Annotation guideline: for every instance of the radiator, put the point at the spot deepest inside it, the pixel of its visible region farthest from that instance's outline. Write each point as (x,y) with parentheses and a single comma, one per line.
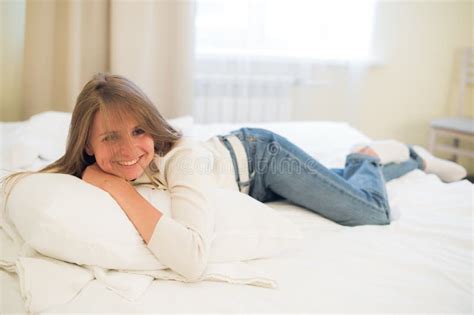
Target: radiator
(242,98)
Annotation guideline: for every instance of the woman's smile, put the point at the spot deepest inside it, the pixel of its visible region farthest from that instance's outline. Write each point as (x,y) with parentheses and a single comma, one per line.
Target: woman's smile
(128,163)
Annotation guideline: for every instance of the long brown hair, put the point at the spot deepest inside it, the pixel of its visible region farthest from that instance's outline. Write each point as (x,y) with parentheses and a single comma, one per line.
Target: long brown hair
(113,94)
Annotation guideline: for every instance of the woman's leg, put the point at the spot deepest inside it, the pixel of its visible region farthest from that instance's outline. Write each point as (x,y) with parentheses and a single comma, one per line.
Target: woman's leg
(394,170)
(355,196)
(419,158)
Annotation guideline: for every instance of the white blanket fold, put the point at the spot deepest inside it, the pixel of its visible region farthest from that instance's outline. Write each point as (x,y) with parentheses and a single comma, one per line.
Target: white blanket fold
(128,285)
(46,282)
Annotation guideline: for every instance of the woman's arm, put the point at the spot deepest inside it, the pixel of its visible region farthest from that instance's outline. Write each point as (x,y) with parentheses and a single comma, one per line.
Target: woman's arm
(183,240)
(140,212)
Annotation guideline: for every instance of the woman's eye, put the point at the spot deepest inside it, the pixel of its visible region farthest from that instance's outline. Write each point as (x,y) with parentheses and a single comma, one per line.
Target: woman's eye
(138,131)
(110,138)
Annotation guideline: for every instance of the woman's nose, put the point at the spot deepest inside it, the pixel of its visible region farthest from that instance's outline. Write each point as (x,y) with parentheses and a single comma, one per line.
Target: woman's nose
(127,148)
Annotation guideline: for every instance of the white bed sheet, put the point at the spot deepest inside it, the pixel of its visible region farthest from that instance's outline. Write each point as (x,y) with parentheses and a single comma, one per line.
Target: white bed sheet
(420,263)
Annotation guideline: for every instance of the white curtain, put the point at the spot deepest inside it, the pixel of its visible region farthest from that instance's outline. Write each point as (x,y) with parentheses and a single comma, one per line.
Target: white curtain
(66,42)
(252,55)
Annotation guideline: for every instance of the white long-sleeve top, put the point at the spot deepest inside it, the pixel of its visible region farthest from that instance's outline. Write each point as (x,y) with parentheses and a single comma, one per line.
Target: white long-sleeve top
(182,241)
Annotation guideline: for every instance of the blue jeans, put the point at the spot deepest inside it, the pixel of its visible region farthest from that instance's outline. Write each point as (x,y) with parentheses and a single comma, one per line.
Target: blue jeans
(354,195)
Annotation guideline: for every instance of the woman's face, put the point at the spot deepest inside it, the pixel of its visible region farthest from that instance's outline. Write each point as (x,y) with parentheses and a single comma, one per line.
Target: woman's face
(120,146)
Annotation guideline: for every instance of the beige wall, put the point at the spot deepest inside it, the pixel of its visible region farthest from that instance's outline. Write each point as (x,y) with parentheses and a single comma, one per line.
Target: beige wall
(414,42)
(12,18)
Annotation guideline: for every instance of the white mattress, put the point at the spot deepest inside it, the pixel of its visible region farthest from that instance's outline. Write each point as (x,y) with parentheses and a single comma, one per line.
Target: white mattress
(419,263)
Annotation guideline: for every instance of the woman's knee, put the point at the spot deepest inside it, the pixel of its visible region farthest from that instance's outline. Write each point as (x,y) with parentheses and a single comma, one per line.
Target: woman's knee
(377,213)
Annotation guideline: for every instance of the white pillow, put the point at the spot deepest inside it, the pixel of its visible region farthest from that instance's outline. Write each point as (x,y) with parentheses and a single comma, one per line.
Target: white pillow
(66,218)
(245,228)
(63,217)
(43,135)
(184,123)
(248,229)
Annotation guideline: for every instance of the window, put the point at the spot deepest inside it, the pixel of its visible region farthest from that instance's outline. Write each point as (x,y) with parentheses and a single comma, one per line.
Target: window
(309,29)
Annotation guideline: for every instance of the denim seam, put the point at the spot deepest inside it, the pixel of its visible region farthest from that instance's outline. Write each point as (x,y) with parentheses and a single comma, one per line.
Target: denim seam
(385,197)
(358,158)
(362,157)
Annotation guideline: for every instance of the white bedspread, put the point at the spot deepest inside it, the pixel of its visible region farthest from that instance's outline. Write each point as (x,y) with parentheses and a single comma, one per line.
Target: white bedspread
(421,263)
(45,282)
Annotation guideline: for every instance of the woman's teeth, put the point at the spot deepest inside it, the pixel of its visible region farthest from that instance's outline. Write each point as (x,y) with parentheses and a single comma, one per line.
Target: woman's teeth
(128,163)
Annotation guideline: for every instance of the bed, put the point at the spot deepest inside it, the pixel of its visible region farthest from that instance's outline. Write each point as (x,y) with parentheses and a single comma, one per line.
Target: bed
(420,263)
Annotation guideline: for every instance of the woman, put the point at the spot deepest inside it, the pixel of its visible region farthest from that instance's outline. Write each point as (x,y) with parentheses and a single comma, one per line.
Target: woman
(118,139)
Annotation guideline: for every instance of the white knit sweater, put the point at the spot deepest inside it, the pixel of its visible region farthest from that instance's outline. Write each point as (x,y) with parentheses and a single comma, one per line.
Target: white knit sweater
(182,242)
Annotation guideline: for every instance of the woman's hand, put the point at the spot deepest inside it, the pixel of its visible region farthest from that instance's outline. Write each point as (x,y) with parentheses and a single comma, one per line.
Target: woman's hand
(94,175)
(140,212)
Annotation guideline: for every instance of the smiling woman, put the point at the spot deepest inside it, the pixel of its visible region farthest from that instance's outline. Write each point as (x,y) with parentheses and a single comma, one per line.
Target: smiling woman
(114,134)
(118,140)
(111,122)
(120,145)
